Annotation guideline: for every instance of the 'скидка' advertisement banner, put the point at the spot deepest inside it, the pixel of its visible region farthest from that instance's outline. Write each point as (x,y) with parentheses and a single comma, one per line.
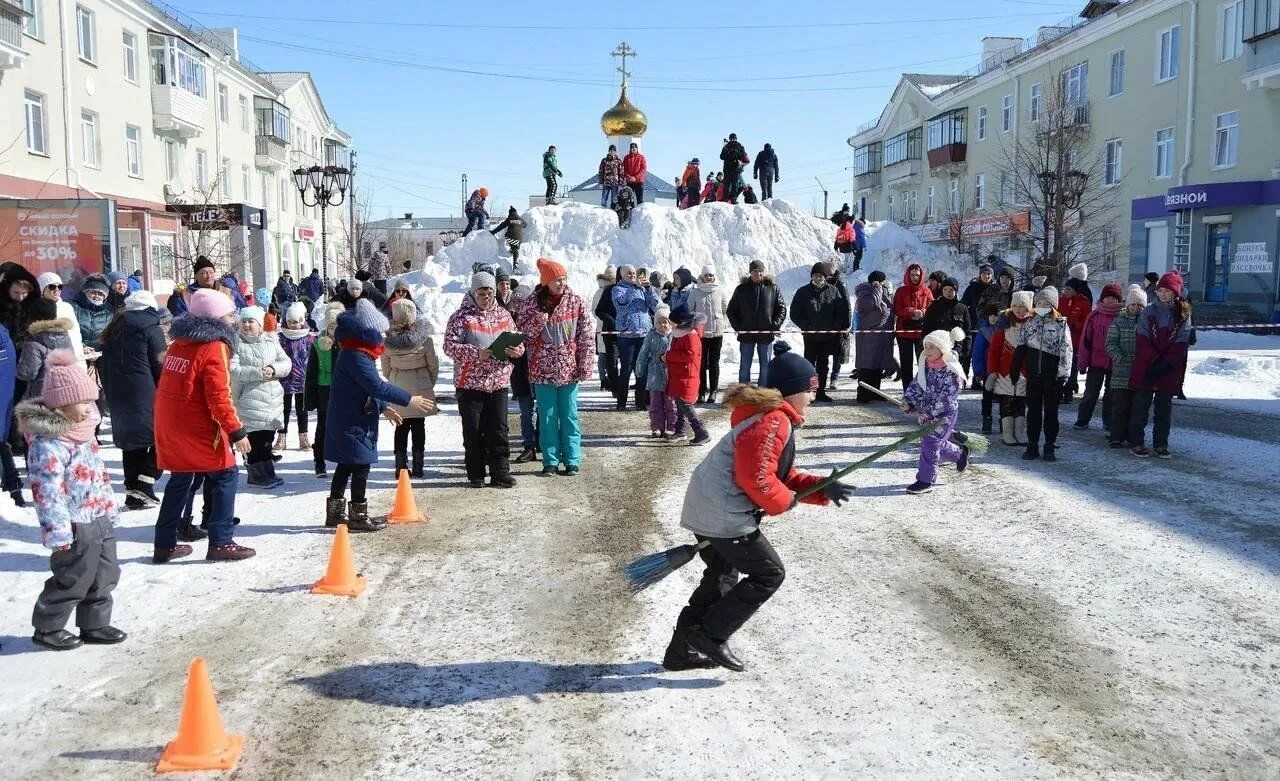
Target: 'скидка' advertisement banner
(72,238)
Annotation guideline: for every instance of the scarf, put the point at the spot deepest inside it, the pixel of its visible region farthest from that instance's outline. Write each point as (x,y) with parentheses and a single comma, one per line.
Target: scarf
(294,333)
(82,433)
(374,351)
(1110,307)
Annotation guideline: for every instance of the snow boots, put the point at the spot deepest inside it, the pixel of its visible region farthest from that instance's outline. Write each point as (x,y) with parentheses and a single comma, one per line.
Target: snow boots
(304,441)
(280,444)
(1020,430)
(263,475)
(1007,432)
(680,656)
(358,518)
(416,472)
(335,512)
(229,552)
(1048,453)
(165,555)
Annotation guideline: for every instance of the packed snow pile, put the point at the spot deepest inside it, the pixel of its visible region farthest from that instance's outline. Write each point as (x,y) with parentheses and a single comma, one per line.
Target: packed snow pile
(727,237)
(1262,370)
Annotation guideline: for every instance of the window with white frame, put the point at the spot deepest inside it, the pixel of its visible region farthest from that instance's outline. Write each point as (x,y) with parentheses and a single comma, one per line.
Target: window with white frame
(224,104)
(170,160)
(928,203)
(982,123)
(1261,19)
(86,35)
(246,189)
(1226,139)
(1006,113)
(1116,85)
(980,191)
(1112,172)
(202,169)
(911,206)
(266,192)
(1167,60)
(1037,100)
(90,143)
(32,25)
(133,149)
(1231,32)
(37,134)
(129,56)
(1164,153)
(284,196)
(953,197)
(1075,84)
(1006,189)
(246,115)
(224,177)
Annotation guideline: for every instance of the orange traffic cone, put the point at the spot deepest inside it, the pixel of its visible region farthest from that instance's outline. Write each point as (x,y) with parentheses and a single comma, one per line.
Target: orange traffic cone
(341,579)
(201,744)
(405,507)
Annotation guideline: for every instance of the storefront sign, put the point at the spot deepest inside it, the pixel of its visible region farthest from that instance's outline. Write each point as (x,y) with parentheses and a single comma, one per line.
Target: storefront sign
(304,235)
(220,216)
(976,227)
(934,231)
(72,238)
(1221,194)
(1251,258)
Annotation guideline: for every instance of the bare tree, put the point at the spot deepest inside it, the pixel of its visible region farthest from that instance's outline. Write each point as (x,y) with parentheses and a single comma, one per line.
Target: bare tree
(1057,173)
(960,208)
(357,236)
(207,234)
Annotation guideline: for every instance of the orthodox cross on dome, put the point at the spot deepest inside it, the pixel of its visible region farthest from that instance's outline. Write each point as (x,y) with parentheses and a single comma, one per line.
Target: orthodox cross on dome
(623,51)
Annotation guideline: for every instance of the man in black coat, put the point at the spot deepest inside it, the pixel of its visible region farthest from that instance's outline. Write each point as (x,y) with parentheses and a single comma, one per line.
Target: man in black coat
(766,170)
(734,155)
(756,305)
(514,226)
(821,306)
(947,312)
(607,314)
(978,288)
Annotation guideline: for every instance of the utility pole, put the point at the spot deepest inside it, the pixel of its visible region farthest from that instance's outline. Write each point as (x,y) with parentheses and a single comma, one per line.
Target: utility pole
(464,193)
(352,234)
(825,205)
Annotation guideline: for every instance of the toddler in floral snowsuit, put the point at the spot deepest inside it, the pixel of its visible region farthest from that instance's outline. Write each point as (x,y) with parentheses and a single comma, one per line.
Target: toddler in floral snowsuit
(934,395)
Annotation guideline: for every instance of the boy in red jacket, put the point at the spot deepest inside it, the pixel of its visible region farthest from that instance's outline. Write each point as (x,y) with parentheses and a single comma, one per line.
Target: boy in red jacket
(749,474)
(684,359)
(635,168)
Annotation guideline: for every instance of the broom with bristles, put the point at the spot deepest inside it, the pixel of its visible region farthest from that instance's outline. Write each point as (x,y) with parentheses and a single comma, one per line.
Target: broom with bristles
(976,443)
(647,570)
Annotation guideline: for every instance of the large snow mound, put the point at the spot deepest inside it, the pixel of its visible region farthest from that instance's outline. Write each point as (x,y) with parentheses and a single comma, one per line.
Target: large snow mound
(727,237)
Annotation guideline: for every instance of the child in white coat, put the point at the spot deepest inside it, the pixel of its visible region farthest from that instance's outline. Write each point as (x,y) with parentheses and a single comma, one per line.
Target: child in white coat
(256,369)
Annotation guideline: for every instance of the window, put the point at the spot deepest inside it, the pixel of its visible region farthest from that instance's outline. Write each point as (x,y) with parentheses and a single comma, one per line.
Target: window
(946,130)
(1231,36)
(1075,85)
(246,190)
(86,36)
(1226,139)
(903,147)
(1111,174)
(891,213)
(133,149)
(284,196)
(911,206)
(1006,113)
(953,197)
(246,116)
(1167,67)
(224,104)
(1164,153)
(1006,189)
(866,159)
(202,168)
(266,192)
(979,191)
(982,123)
(130,55)
(928,202)
(1037,98)
(90,149)
(224,178)
(36,134)
(32,25)
(1117,73)
(176,63)
(1261,18)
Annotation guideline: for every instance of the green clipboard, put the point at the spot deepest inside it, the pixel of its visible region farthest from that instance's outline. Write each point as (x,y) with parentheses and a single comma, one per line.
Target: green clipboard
(505,339)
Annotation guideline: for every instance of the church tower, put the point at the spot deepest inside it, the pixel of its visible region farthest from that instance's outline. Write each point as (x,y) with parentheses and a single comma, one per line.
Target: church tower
(624,124)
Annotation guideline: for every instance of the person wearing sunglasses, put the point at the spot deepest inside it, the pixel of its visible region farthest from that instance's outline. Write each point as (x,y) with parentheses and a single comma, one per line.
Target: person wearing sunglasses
(51,287)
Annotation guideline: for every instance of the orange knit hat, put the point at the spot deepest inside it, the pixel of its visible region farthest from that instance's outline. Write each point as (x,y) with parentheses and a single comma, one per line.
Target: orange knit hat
(549,271)
(484,192)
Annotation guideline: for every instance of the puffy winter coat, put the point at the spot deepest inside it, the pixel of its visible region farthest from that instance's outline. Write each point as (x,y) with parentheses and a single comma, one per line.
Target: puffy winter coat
(130,367)
(1001,298)
(981,346)
(92,319)
(410,363)
(684,360)
(1122,344)
(691,179)
(8,378)
(757,307)
(550,166)
(707,299)
(943,315)
(559,338)
(357,395)
(909,298)
(313,287)
(43,337)
(475,204)
(1076,310)
(610,174)
(285,293)
(875,313)
(634,167)
(939,399)
(649,362)
(513,225)
(259,401)
(470,330)
(1161,344)
(1044,347)
(296,344)
(766,166)
(68,480)
(632,306)
(734,156)
(846,238)
(823,308)
(16,315)
(1092,353)
(683,279)
(196,421)
(1004,338)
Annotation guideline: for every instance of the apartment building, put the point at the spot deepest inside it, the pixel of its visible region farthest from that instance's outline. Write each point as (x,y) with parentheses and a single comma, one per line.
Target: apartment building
(134,139)
(1179,101)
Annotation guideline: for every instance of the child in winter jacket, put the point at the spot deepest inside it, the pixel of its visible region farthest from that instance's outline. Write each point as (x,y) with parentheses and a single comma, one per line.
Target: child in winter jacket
(1075,307)
(324,350)
(934,395)
(651,369)
(410,363)
(748,474)
(1121,346)
(623,206)
(1010,389)
(1091,356)
(76,507)
(684,360)
(296,339)
(989,316)
(47,333)
(1044,348)
(257,366)
(1162,339)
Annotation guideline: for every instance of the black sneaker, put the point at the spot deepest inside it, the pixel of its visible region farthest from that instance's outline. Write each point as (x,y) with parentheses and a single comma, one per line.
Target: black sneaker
(1163,452)
(133,503)
(569,471)
(529,455)
(919,487)
(57,640)
(503,482)
(475,483)
(1140,452)
(701,439)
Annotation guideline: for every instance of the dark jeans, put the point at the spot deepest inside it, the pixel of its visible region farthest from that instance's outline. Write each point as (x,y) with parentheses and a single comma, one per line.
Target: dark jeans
(139,468)
(12,481)
(358,474)
(1121,411)
(220,493)
(1163,418)
(484,432)
(988,400)
(1043,398)
(638,189)
(322,407)
(551,188)
(766,185)
(747,351)
(908,351)
(709,375)
(610,358)
(418,428)
(1095,383)
(628,349)
(475,220)
(722,603)
(260,446)
(299,404)
(820,351)
(83,578)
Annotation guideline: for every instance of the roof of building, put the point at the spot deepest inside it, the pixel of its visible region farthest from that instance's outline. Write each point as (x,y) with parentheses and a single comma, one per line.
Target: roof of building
(652,184)
(932,84)
(419,223)
(283,80)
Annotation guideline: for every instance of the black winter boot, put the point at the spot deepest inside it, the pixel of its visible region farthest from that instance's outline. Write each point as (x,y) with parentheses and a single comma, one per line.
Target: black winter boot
(258,475)
(987,425)
(417,472)
(680,656)
(720,653)
(270,471)
(335,511)
(189,532)
(358,518)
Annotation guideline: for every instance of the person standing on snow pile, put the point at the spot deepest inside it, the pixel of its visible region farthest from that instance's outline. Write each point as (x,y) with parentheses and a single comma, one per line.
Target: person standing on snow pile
(559,338)
(324,352)
(749,196)
(1161,342)
(684,360)
(133,348)
(707,299)
(756,311)
(934,395)
(860,245)
(766,170)
(873,341)
(193,411)
(1010,389)
(380,262)
(483,381)
(748,474)
(1075,305)
(816,308)
(477,215)
(623,205)
(610,177)
(734,156)
(258,365)
(514,227)
(410,363)
(296,339)
(632,303)
(652,371)
(1092,356)
(846,242)
(910,302)
(75,505)
(1044,348)
(1121,345)
(839,217)
(692,181)
(357,398)
(947,313)
(550,170)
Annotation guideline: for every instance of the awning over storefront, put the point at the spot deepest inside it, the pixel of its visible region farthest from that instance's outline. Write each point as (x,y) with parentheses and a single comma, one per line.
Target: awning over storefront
(1218,195)
(220,216)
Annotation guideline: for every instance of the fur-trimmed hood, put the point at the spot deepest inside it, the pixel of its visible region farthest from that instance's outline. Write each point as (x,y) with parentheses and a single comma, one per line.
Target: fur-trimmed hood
(768,280)
(410,335)
(45,326)
(204,329)
(36,419)
(745,395)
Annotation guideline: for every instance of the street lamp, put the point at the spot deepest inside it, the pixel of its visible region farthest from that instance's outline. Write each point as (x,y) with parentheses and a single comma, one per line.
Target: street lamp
(1073,188)
(323,184)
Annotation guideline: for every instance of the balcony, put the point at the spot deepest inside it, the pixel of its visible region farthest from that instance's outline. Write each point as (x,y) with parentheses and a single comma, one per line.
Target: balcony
(178,91)
(866,181)
(902,171)
(901,156)
(11,19)
(947,139)
(1262,62)
(177,111)
(271,147)
(270,153)
(947,155)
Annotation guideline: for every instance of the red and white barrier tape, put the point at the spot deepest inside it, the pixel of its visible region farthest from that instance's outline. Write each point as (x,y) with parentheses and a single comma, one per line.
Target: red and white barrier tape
(1229,327)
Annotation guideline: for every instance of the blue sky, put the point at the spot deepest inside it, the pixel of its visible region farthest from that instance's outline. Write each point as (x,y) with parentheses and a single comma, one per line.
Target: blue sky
(411,91)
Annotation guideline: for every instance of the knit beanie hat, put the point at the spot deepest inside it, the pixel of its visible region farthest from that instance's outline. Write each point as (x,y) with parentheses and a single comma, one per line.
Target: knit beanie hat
(1152,277)
(708,270)
(943,340)
(502,276)
(1112,289)
(65,381)
(1023,298)
(1049,295)
(1171,280)
(202,263)
(1039,280)
(818,268)
(404,311)
(663,312)
(482,279)
(756,265)
(1079,271)
(682,316)
(253,313)
(952,283)
(139,300)
(44,309)
(549,271)
(297,312)
(115,276)
(95,282)
(876,276)
(1136,295)
(48,278)
(789,373)
(355,286)
(262,297)
(1006,272)
(368,316)
(210,303)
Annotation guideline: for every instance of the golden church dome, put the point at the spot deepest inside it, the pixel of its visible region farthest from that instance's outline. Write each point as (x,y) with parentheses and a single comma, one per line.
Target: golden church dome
(624,119)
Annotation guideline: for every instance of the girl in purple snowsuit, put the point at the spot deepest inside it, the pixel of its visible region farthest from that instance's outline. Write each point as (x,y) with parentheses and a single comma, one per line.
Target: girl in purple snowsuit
(296,339)
(935,395)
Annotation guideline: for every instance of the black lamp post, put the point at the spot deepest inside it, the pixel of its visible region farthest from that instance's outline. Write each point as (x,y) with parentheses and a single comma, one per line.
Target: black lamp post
(323,183)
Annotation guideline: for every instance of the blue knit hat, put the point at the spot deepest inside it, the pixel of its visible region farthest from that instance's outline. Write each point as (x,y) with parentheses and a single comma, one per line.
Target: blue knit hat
(363,323)
(789,373)
(115,276)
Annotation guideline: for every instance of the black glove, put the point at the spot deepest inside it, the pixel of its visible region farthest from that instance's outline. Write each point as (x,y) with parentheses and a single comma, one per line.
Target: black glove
(838,493)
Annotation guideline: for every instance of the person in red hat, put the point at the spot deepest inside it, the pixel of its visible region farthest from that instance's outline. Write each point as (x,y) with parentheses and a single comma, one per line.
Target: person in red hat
(1159,365)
